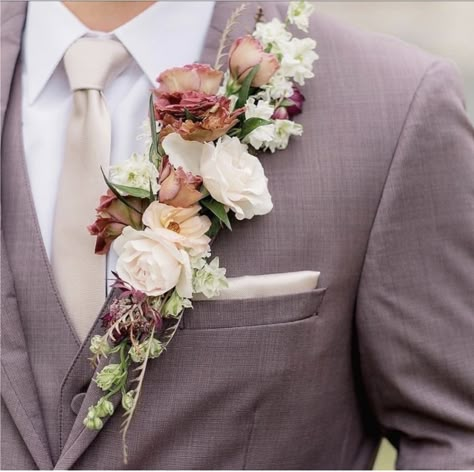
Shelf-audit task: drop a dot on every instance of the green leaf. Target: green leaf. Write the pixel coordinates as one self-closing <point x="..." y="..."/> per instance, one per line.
<point x="252" y="124"/>
<point x="151" y="196"/>
<point x="245" y="88"/>
<point x="133" y="191"/>
<point x="216" y="226"/>
<point x="117" y="193"/>
<point x="217" y="209"/>
<point x="154" y="154"/>
<point x="287" y="103"/>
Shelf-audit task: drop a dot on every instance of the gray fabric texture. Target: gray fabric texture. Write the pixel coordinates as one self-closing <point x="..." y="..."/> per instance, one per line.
<point x="378" y="195"/>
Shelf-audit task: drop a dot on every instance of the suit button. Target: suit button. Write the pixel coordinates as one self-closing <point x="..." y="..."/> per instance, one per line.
<point x="76" y="402"/>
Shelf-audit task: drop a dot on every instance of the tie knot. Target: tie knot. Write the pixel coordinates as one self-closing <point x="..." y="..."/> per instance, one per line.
<point x="90" y="63"/>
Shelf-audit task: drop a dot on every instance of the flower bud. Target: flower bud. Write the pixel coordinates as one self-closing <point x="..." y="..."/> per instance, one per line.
<point x="156" y="348"/>
<point x="175" y="305"/>
<point x="108" y="376"/>
<point x="297" y="100"/>
<point x="128" y="400"/>
<point x="92" y="421"/>
<point x="104" y="408"/>
<point x="280" y="114"/>
<point x="99" y="345"/>
<point x="137" y="353"/>
<point x="247" y="52"/>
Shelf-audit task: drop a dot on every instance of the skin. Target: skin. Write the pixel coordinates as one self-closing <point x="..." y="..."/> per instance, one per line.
<point x="106" y="16"/>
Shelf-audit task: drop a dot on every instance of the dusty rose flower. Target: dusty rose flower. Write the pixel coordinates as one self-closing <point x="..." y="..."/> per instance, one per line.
<point x="297" y="98"/>
<point x="209" y="126"/>
<point x="245" y="53"/>
<point x="197" y="77"/>
<point x="178" y="188"/>
<point x="112" y="217"/>
<point x="177" y="102"/>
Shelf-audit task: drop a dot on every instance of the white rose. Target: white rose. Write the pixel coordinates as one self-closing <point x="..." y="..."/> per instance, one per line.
<point x="152" y="264"/>
<point x="299" y="13"/>
<point x="297" y="59"/>
<point x="284" y="129"/>
<point x="232" y="176"/>
<point x="261" y="109"/>
<point x="135" y="172"/>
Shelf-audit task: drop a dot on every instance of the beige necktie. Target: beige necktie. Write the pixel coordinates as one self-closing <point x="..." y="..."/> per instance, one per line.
<point x="80" y="274"/>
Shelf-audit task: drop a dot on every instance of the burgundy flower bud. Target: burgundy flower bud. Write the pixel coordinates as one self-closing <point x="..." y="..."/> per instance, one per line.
<point x="297" y="106"/>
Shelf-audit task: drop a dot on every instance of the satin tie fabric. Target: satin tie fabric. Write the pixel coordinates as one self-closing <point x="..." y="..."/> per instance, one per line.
<point x="80" y="274"/>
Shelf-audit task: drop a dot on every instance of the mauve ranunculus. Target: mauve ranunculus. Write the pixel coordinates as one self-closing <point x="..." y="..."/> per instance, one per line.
<point x="193" y="77"/>
<point x="245" y="53"/>
<point x="211" y="124"/>
<point x="297" y="98"/>
<point x="176" y="103"/>
<point x="178" y="188"/>
<point x="112" y="217"/>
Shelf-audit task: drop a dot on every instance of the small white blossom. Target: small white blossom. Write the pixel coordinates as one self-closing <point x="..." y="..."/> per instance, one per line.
<point x="135" y="172"/>
<point x="209" y="279"/>
<point x="284" y="129"/>
<point x="260" y="109"/>
<point x="299" y="13"/>
<point x="279" y="87"/>
<point x="272" y="34"/>
<point x="297" y="59"/>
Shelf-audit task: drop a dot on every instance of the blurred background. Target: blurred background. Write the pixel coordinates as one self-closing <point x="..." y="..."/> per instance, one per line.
<point x="443" y="28"/>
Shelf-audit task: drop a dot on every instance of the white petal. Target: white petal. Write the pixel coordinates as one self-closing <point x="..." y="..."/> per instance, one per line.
<point x="182" y="153"/>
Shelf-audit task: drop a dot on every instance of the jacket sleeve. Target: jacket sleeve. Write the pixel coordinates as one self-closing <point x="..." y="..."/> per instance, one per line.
<point x="415" y="305"/>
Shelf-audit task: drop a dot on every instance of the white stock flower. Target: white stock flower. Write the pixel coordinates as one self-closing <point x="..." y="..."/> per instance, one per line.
<point x="209" y="279"/>
<point x="299" y="13"/>
<point x="260" y="109"/>
<point x="278" y="87"/>
<point x="152" y="263"/>
<point x="137" y="172"/>
<point x="284" y="129"/>
<point x="272" y="33"/>
<point x="297" y="59"/>
<point x="232" y="176"/>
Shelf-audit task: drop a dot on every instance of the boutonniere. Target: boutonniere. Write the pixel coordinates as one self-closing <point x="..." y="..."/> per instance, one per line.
<point x="163" y="209"/>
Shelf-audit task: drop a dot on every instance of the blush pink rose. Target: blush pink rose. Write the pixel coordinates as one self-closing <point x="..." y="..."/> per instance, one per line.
<point x="193" y="77"/>
<point x="177" y="187"/>
<point x="245" y="53"/>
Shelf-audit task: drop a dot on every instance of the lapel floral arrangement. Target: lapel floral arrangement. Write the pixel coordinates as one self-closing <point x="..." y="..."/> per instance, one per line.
<point x="163" y="209"/>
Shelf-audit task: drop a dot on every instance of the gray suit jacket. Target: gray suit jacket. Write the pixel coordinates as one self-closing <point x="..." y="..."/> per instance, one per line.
<point x="378" y="195"/>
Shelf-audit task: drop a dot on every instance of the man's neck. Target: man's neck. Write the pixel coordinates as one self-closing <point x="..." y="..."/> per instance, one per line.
<point x="106" y="16"/>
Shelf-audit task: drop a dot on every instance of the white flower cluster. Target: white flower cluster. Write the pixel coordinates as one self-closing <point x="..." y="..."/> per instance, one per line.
<point x="137" y="172"/>
<point x="274" y="136"/>
<point x="296" y="55"/>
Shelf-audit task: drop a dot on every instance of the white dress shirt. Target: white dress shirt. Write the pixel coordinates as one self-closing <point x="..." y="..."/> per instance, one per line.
<point x="167" y="34"/>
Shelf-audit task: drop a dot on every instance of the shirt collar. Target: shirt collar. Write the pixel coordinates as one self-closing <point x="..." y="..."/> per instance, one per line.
<point x="51" y="28"/>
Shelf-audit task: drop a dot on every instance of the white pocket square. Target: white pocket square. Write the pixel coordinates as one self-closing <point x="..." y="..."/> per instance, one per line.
<point x="267" y="285"/>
